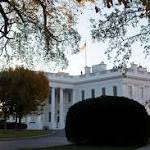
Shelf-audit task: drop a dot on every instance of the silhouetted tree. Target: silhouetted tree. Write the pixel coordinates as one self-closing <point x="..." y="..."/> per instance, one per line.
<point x="25" y="91"/>
<point x="40" y="28"/>
<point x="122" y="27"/>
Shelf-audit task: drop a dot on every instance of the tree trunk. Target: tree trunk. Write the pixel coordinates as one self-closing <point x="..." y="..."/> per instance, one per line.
<point x="16" y="118"/>
<point x="20" y="118"/>
<point x="5" y="124"/>
<point x="16" y="126"/>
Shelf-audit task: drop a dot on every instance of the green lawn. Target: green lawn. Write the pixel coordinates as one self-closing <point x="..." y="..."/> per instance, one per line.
<point x="22" y="133"/>
<point x="73" y="147"/>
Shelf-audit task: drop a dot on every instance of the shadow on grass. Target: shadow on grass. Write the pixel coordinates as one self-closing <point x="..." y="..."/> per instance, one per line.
<point x="75" y="147"/>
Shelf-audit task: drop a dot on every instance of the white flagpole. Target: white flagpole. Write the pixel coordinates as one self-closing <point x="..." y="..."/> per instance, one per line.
<point x="85" y="54"/>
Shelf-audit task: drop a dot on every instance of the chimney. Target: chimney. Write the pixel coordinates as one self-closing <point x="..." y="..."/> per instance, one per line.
<point x="134" y="67"/>
<point x="87" y="69"/>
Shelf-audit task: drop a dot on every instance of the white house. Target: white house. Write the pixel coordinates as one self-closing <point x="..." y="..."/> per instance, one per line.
<point x="65" y="90"/>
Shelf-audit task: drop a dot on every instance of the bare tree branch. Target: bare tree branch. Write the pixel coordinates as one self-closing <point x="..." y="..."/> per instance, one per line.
<point x="5" y="32"/>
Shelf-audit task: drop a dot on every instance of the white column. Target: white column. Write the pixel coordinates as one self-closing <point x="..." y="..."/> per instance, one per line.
<point x="124" y="90"/>
<point x="53" y="121"/>
<point x="61" y="107"/>
<point x="133" y="92"/>
<point x="73" y="96"/>
<point x="146" y="92"/>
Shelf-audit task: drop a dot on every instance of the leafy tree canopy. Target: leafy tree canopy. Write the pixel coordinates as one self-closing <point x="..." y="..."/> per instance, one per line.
<point x="34" y="30"/>
<point x="31" y="30"/>
<point x="24" y="92"/>
<point x="123" y="26"/>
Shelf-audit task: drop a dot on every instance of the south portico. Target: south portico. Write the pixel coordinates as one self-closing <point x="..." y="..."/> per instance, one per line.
<point x="60" y="100"/>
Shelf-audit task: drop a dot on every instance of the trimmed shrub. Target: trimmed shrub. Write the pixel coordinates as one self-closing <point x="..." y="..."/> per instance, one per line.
<point x="107" y="120"/>
<point x="22" y="126"/>
<point x="148" y="126"/>
<point x="13" y="125"/>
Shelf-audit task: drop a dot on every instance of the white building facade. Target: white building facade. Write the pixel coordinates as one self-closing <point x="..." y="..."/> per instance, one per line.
<point x="65" y="90"/>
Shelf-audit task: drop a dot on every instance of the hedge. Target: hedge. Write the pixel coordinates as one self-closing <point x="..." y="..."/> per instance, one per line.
<point x="107" y="120"/>
<point x="13" y="125"/>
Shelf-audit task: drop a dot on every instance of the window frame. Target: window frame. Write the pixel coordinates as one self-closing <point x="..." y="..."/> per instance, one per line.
<point x="82" y="95"/>
<point x="92" y="93"/>
<point x="115" y="92"/>
<point x="103" y="90"/>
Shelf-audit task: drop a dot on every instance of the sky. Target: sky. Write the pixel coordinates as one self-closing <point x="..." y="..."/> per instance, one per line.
<point x="95" y="51"/>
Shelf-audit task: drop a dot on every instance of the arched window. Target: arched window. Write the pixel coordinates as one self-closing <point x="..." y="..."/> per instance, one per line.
<point x="103" y="91"/>
<point x="115" y="90"/>
<point x="82" y="95"/>
<point x="92" y="93"/>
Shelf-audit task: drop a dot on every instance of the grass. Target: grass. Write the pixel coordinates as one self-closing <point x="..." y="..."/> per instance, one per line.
<point x="73" y="147"/>
<point x="21" y="133"/>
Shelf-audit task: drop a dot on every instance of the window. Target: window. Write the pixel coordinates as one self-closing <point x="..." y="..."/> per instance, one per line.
<point x="57" y="94"/>
<point x="49" y="116"/>
<point x="49" y="98"/>
<point x="103" y="91"/>
<point x="69" y="96"/>
<point x="33" y="118"/>
<point x="114" y="90"/>
<point x="82" y="95"/>
<point x="92" y="93"/>
<point x="130" y="91"/>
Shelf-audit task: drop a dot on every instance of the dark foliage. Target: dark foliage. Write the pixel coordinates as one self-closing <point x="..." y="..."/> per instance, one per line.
<point x="114" y="28"/>
<point x="107" y="120"/>
<point x="38" y="30"/>
<point x="13" y="125"/>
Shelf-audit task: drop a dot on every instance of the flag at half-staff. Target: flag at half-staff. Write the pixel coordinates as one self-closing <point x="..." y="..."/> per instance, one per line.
<point x="83" y="46"/>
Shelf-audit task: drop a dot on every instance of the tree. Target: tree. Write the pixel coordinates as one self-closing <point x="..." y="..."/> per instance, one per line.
<point x="4" y="96"/>
<point x="116" y="26"/>
<point x="27" y="91"/>
<point x="33" y="29"/>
